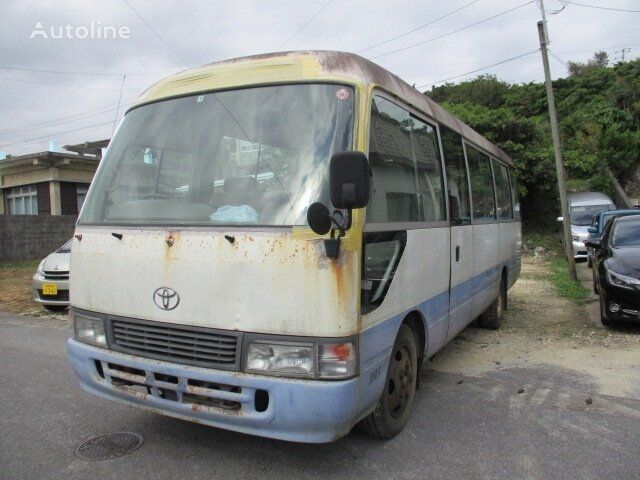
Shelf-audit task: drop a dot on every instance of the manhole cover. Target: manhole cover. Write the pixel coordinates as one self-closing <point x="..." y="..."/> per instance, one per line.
<point x="110" y="446"/>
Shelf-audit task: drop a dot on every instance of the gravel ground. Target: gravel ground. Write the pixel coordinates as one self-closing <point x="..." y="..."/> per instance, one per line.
<point x="544" y="330"/>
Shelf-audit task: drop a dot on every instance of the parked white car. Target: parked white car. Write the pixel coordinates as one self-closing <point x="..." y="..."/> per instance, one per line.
<point x="51" y="281"/>
<point x="582" y="207"/>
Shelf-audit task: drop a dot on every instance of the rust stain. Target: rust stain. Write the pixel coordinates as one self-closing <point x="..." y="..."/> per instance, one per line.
<point x="172" y="239"/>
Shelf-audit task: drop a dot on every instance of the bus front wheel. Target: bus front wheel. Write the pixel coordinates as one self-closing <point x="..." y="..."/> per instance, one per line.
<point x="394" y="407"/>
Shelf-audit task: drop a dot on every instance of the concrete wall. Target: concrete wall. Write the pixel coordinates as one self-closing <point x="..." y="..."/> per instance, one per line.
<point x="32" y="237"/>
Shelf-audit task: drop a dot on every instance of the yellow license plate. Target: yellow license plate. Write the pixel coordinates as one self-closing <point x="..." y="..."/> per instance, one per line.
<point x="49" y="289"/>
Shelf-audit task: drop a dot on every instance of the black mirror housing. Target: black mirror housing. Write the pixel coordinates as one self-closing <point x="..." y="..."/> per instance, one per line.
<point x="350" y="180"/>
<point x="593" y="243"/>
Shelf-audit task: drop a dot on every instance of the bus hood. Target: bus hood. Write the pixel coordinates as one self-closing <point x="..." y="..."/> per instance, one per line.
<point x="265" y="282"/>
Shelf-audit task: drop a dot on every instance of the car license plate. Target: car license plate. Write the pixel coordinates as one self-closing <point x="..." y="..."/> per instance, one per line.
<point x="49" y="289"/>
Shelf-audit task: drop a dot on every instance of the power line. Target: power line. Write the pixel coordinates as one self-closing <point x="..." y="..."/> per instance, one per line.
<point x="53" y="134"/>
<point x="419" y="27"/>
<point x="71" y="119"/>
<point x="66" y="119"/>
<point x="564" y="64"/>
<point x="606" y="49"/>
<point x="599" y="7"/>
<point x="305" y="23"/>
<point x="480" y="69"/>
<point x="63" y="72"/>
<point x="64" y="85"/>
<point x="153" y="31"/>
<point x="454" y="31"/>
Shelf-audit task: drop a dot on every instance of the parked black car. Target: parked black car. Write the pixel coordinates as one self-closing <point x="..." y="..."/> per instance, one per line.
<point x="616" y="270"/>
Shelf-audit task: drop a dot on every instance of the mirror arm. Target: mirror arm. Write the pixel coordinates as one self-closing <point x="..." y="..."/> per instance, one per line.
<point x="332" y="245"/>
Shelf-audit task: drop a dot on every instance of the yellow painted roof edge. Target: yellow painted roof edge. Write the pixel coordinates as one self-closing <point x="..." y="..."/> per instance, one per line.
<point x="258" y="70"/>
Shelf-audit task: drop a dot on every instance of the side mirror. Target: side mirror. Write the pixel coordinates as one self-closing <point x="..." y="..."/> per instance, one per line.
<point x="319" y="218"/>
<point x="593" y="243"/>
<point x="560" y="219"/>
<point x="592" y="230"/>
<point x="350" y="180"/>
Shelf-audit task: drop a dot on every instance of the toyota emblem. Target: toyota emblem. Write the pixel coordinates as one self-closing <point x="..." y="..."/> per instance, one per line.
<point x="166" y="298"/>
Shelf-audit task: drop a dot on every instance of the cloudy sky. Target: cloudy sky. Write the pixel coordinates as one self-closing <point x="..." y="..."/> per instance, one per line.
<point x="39" y="103"/>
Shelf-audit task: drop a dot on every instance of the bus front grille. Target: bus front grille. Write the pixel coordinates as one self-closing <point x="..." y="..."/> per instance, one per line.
<point x="176" y="343"/>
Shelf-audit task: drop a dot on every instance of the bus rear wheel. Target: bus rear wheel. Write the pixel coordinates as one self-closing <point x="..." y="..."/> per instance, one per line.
<point x="491" y="318"/>
<point x="394" y="407"/>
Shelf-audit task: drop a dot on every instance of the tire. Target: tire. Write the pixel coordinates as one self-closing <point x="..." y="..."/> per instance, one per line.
<point x="492" y="317"/>
<point x="589" y="263"/>
<point x="394" y="407"/>
<point x="56" y="308"/>
<point x="603" y="311"/>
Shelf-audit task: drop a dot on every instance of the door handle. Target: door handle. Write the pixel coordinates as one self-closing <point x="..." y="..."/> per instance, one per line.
<point x="457" y="253"/>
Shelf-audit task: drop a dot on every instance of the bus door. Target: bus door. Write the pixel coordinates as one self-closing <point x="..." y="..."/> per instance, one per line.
<point x="461" y="245"/>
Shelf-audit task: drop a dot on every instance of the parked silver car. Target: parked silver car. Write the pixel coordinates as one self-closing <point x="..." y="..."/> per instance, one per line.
<point x="582" y="207"/>
<point x="51" y="281"/>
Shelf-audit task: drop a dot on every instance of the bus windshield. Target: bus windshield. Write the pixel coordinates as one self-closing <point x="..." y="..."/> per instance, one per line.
<point x="253" y="156"/>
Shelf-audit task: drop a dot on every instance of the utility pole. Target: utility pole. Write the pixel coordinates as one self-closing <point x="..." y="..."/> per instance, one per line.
<point x="555" y="133"/>
<point x="622" y="52"/>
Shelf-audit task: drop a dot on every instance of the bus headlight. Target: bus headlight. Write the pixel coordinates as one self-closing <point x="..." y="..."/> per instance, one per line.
<point x="89" y="329"/>
<point x="290" y="360"/>
<point x="317" y="360"/>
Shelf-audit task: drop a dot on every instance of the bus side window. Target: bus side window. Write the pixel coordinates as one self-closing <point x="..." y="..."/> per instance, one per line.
<point x="514" y="194"/>
<point x="457" y="178"/>
<point x="503" y="194"/>
<point x="481" y="185"/>
<point x="429" y="171"/>
<point x="394" y="185"/>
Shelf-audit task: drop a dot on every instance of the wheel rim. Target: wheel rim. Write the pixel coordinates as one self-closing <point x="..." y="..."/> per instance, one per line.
<point x="400" y="383"/>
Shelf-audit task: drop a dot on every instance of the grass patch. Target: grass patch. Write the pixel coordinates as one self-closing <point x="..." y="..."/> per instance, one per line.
<point x="15" y="279"/>
<point x="565" y="286"/>
<point x="550" y="241"/>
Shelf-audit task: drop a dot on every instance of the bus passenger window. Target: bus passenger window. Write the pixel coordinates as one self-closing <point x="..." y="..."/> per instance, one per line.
<point x="429" y="171"/>
<point x="503" y="193"/>
<point x="481" y="185"/>
<point x="394" y="187"/>
<point x="457" y="179"/>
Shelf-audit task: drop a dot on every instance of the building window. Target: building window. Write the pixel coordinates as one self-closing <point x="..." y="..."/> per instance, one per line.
<point x="23" y="200"/>
<point x="81" y="194"/>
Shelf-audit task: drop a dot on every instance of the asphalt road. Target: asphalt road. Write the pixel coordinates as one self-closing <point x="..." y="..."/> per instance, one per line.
<point x="461" y="428"/>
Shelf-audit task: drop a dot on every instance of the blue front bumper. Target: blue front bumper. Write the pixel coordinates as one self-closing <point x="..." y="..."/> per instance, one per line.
<point x="298" y="410"/>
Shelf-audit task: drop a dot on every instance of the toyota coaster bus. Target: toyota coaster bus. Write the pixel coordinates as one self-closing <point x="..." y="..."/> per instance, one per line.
<point x="275" y="244"/>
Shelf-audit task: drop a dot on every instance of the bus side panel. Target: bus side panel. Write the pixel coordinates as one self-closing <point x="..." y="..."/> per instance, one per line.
<point x="462" y="272"/>
<point x="420" y="284"/>
<point x="486" y="239"/>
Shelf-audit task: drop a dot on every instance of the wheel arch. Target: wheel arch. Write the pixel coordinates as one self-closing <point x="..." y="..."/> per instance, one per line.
<point x="416" y="322"/>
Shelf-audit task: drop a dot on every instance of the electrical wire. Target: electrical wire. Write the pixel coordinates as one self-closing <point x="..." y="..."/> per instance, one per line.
<point x="454" y="31"/>
<point x="66" y="119"/>
<point x="304" y="25"/>
<point x="599" y="7"/>
<point x="557" y="58"/>
<point x="65" y="85"/>
<point x="63" y="72"/>
<point x="19" y="142"/>
<point x="419" y="27"/>
<point x="480" y="69"/>
<point x="154" y="32"/>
